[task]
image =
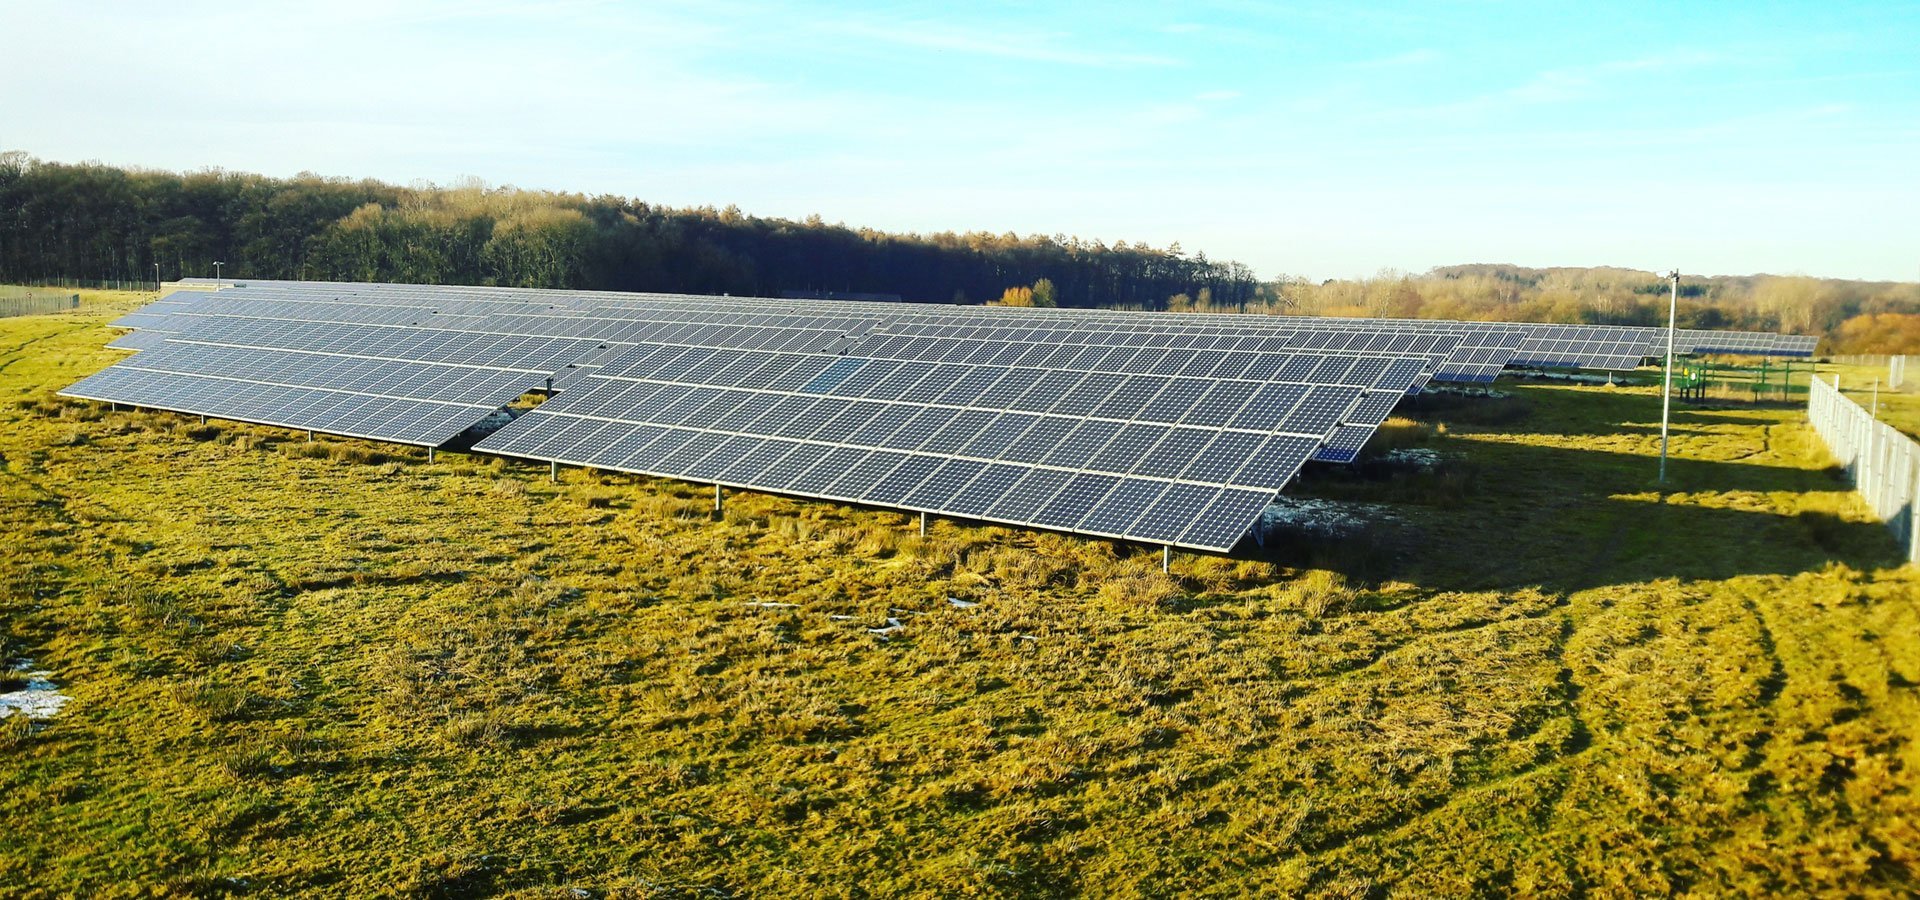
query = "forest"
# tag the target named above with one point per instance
(93, 223)
(1852, 316)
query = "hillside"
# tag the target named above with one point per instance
(334, 669)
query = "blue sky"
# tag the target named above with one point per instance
(1322, 140)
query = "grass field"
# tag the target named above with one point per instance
(1899, 408)
(334, 669)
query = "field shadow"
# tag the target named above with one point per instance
(1502, 513)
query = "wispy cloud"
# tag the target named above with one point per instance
(1561, 84)
(1043, 48)
(1420, 57)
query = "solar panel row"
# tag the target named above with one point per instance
(1167, 459)
(1124, 428)
(1170, 429)
(1126, 342)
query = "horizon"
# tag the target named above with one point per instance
(1317, 143)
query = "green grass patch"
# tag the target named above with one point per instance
(332, 669)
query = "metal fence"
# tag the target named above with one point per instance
(33, 303)
(1883, 464)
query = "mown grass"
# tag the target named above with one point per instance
(343, 671)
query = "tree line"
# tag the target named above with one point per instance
(99, 222)
(1851, 316)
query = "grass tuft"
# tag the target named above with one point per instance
(211, 700)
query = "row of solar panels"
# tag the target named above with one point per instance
(1478, 357)
(1171, 429)
(1130, 430)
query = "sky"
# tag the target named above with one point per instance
(1323, 141)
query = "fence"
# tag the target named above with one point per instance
(1770, 380)
(1883, 464)
(20, 302)
(94, 284)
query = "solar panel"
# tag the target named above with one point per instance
(1166, 428)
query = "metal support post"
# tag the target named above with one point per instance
(553, 472)
(923, 524)
(719, 500)
(430, 452)
(1166, 558)
(1666, 394)
(309, 435)
(203, 420)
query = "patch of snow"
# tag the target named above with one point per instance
(1420, 457)
(837, 618)
(892, 626)
(769, 604)
(1568, 377)
(1453, 391)
(40, 699)
(958, 603)
(1333, 518)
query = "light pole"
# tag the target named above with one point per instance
(216, 270)
(1666, 395)
(156, 278)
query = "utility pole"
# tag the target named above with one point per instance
(216, 270)
(1666, 394)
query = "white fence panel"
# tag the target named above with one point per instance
(1883, 464)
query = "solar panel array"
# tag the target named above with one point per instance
(1129, 426)
(1752, 343)
(1183, 460)
(1168, 429)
